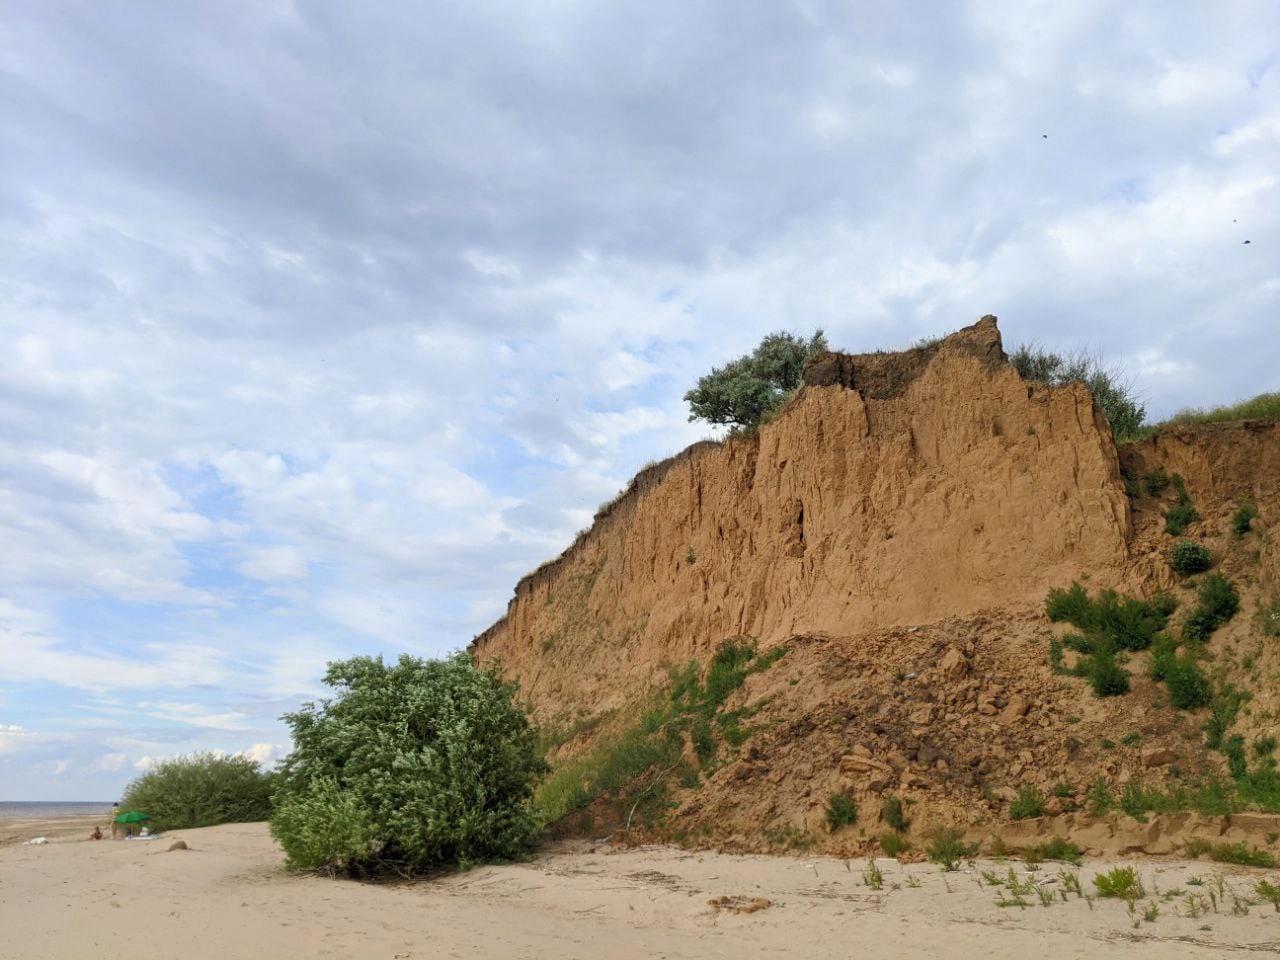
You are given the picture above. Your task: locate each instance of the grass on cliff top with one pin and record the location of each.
(1265, 406)
(686, 717)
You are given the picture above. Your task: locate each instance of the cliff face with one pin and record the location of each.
(895, 489)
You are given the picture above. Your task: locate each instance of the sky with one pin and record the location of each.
(323, 322)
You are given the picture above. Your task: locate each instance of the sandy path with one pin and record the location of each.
(229, 898)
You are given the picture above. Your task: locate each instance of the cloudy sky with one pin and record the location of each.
(323, 322)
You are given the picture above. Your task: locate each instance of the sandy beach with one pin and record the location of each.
(229, 896)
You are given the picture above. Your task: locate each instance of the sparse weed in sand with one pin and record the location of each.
(1195, 905)
(872, 875)
(1018, 887)
(1269, 892)
(1120, 882)
(1070, 880)
(913, 882)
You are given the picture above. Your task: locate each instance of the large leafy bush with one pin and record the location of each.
(424, 764)
(200, 790)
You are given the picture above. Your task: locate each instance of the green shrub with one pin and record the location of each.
(1106, 676)
(409, 767)
(1163, 651)
(1109, 623)
(1178, 517)
(841, 811)
(1218, 603)
(632, 767)
(1111, 390)
(1155, 482)
(1121, 882)
(1223, 709)
(1058, 848)
(893, 812)
(1242, 519)
(947, 848)
(747, 391)
(1099, 798)
(1188, 557)
(1269, 892)
(1071, 605)
(893, 844)
(1189, 688)
(1241, 854)
(200, 790)
(1028, 804)
(1237, 762)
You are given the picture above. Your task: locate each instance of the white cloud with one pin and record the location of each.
(265, 753)
(12, 736)
(108, 763)
(275, 563)
(30, 651)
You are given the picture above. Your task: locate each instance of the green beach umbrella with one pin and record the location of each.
(133, 816)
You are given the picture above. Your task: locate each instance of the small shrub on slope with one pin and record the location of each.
(201, 790)
(893, 812)
(1242, 519)
(1028, 804)
(1106, 676)
(841, 811)
(1178, 517)
(1188, 557)
(1109, 623)
(1218, 603)
(1189, 688)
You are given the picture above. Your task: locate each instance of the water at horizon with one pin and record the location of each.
(45, 809)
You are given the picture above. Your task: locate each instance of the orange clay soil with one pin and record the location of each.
(898, 526)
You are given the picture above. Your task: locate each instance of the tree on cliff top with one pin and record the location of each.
(1114, 393)
(745, 392)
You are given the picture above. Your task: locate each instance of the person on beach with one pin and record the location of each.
(115, 812)
(97, 833)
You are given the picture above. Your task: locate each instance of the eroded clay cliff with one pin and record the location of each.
(896, 528)
(894, 489)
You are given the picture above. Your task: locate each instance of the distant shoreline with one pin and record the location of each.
(52, 809)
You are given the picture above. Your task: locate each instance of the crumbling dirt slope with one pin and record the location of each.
(897, 528)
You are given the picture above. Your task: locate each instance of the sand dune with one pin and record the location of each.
(229, 897)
